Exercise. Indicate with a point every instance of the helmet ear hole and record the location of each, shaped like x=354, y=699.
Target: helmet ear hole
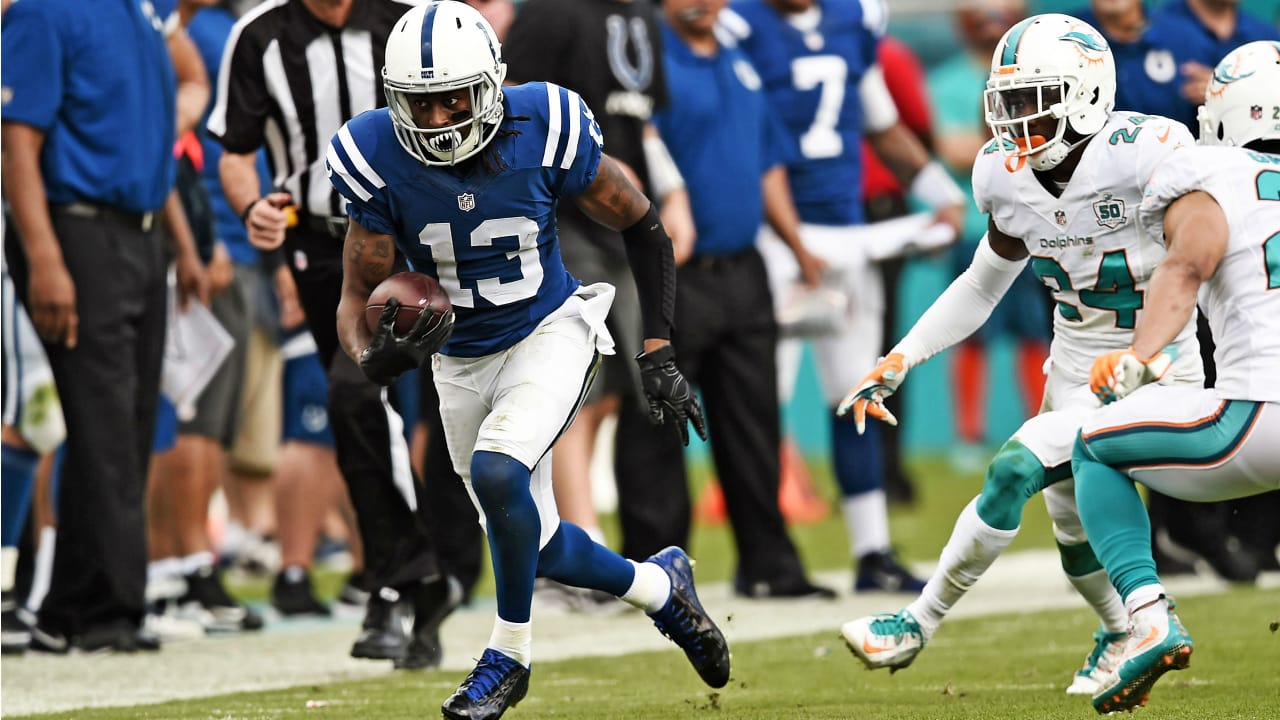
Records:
x=1222, y=132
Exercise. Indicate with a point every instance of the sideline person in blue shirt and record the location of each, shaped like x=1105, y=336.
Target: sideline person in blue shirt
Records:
x=89, y=120
x=1164, y=63
x=725, y=144
x=817, y=61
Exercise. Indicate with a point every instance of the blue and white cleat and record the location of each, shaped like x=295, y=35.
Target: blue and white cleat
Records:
x=1107, y=648
x=884, y=640
x=497, y=683
x=684, y=621
x=1157, y=644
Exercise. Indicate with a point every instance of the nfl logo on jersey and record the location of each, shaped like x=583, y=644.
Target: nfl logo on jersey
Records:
x=1255, y=112
x=467, y=202
x=1060, y=217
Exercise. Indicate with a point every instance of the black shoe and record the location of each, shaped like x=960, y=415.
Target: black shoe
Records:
x=795, y=589
x=432, y=603
x=15, y=636
x=351, y=593
x=684, y=621
x=292, y=596
x=217, y=611
x=115, y=637
x=44, y=640
x=882, y=571
x=497, y=683
x=382, y=635
x=145, y=640
x=1232, y=561
x=1171, y=562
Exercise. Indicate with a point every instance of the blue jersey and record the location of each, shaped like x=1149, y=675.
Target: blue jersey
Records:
x=489, y=238
x=721, y=155
x=209, y=30
x=96, y=78
x=1148, y=75
x=812, y=78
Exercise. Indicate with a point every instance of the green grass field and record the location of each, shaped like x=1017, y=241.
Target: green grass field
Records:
x=998, y=667
x=1012, y=666
x=918, y=532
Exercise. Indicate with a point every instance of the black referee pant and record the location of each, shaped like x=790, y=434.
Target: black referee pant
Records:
x=726, y=343
x=398, y=551
x=109, y=384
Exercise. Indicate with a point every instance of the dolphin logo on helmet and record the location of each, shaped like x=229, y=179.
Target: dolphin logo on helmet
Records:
x=1049, y=67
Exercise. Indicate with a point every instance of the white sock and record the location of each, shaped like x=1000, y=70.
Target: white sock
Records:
x=1097, y=590
x=8, y=567
x=866, y=519
x=43, y=568
x=164, y=568
x=235, y=538
x=196, y=561
x=650, y=589
x=973, y=546
x=515, y=640
x=1144, y=595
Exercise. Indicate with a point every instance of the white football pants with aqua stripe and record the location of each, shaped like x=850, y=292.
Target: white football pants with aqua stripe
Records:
x=1181, y=441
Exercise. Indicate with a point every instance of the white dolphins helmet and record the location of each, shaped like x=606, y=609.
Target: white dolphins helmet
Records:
x=1049, y=66
x=1241, y=101
x=440, y=47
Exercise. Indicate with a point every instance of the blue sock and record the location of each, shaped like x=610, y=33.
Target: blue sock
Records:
x=573, y=558
x=19, y=468
x=858, y=463
x=1115, y=521
x=501, y=484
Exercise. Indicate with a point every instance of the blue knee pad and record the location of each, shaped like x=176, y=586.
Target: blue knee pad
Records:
x=1013, y=477
x=858, y=463
x=573, y=558
x=501, y=484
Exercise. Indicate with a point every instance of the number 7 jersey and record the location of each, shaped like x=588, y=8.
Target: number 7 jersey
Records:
x=1086, y=245
x=1242, y=298
x=489, y=237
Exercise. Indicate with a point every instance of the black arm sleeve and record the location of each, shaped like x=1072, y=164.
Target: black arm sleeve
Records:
x=654, y=266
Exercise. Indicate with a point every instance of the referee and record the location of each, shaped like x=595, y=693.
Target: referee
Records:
x=292, y=73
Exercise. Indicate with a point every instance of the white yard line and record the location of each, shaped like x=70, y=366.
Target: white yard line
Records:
x=295, y=653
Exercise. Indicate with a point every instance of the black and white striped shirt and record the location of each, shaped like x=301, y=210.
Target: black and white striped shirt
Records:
x=290, y=81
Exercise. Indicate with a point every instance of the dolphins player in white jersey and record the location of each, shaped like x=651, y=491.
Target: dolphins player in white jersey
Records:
x=1217, y=209
x=1061, y=183
x=463, y=176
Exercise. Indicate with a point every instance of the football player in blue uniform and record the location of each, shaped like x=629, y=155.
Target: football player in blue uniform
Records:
x=463, y=177
x=817, y=62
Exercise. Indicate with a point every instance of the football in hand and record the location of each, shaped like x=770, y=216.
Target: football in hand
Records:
x=417, y=294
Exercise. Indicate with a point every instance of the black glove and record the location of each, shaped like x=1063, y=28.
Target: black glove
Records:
x=388, y=355
x=668, y=392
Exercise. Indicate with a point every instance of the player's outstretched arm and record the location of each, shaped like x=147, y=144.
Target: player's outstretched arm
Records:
x=367, y=258
x=613, y=201
x=957, y=313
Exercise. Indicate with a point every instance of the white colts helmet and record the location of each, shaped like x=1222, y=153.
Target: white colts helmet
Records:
x=1054, y=66
x=441, y=47
x=1243, y=98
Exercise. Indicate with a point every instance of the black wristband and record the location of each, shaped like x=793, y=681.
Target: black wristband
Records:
x=244, y=216
x=654, y=266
